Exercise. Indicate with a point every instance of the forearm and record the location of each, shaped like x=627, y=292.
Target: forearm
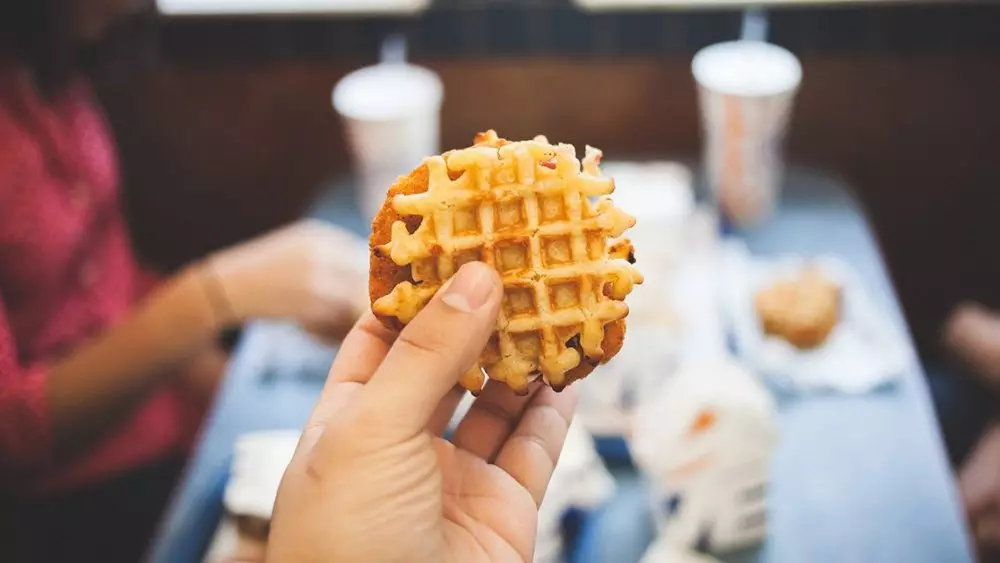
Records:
x=199, y=379
x=104, y=379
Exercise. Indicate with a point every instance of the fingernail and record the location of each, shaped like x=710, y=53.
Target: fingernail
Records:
x=469, y=289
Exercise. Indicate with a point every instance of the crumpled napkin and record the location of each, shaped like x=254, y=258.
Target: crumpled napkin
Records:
x=864, y=351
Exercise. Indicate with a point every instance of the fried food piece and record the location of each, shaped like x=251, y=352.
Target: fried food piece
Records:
x=803, y=310
x=527, y=209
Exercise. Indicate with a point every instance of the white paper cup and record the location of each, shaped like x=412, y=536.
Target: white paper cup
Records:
x=745, y=91
x=391, y=113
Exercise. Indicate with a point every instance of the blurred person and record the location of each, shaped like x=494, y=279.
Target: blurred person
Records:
x=972, y=337
x=104, y=368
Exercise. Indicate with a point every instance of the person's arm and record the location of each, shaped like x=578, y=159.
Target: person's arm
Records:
x=308, y=272
x=198, y=380
x=93, y=388
x=57, y=410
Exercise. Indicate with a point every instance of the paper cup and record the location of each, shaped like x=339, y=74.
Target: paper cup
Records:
x=391, y=114
x=745, y=91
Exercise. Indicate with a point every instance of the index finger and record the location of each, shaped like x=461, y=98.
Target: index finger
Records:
x=364, y=348
x=435, y=349
x=359, y=356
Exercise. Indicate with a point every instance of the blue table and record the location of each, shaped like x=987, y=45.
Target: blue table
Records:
x=855, y=479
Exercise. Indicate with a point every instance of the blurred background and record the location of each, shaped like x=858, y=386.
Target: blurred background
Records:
x=230, y=131
x=773, y=360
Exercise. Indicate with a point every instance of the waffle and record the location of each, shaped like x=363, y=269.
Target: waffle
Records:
x=802, y=310
x=539, y=216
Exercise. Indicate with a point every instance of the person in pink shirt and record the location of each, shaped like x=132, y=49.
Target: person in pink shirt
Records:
x=102, y=365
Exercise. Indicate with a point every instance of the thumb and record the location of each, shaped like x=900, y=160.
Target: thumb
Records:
x=435, y=349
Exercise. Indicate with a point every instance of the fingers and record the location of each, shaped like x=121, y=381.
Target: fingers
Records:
x=986, y=529
x=978, y=480
x=491, y=419
x=364, y=348
x=434, y=350
x=445, y=411
x=531, y=452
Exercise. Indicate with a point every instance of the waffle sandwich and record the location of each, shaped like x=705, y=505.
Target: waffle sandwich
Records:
x=542, y=218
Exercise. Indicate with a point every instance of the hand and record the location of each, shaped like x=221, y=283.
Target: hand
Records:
x=972, y=335
x=372, y=481
x=311, y=272
x=979, y=483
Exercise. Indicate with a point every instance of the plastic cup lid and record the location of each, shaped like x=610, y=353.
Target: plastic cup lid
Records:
x=747, y=68
x=387, y=91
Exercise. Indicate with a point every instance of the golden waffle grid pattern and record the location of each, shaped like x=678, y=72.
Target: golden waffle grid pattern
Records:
x=525, y=208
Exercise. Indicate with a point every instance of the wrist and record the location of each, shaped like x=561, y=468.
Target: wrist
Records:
x=217, y=294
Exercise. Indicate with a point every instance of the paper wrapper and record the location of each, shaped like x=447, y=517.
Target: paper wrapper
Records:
x=663, y=551
x=705, y=442
x=259, y=462
x=864, y=351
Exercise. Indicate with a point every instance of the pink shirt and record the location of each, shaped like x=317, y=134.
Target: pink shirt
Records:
x=67, y=272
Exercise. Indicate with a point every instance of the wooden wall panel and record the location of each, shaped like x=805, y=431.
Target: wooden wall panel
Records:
x=224, y=152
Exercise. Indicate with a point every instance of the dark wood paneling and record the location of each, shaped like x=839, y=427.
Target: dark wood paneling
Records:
x=214, y=153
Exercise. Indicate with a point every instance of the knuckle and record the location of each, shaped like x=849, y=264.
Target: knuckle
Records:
x=424, y=342
x=536, y=447
x=492, y=409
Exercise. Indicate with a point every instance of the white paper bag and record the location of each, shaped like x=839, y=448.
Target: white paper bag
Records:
x=705, y=441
